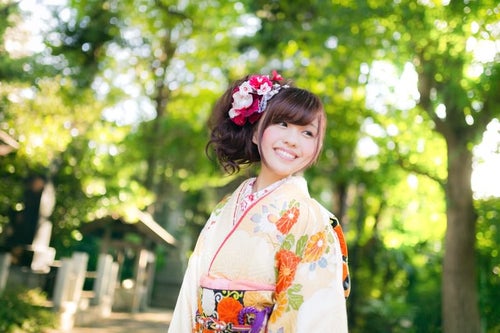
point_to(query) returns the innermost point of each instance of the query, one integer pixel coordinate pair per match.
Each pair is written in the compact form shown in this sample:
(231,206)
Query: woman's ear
(255,135)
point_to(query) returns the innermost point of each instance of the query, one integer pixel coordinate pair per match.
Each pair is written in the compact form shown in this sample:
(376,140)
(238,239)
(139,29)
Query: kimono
(268,261)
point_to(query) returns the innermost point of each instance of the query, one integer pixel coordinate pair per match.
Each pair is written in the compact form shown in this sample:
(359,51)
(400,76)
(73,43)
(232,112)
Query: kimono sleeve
(183,318)
(185,308)
(309,293)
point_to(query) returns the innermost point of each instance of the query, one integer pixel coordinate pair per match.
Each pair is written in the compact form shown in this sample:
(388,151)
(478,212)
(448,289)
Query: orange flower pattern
(228,310)
(286,262)
(288,219)
(316,246)
(293,251)
(279,307)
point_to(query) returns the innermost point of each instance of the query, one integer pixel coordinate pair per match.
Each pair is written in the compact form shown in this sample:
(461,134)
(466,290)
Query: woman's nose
(291,137)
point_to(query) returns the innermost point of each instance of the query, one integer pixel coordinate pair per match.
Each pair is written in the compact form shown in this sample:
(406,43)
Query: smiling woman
(270,258)
(486,168)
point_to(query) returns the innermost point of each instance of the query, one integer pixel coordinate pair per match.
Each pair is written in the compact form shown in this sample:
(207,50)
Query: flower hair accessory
(250,98)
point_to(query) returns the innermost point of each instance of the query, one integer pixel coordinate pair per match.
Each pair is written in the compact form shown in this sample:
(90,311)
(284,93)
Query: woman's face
(286,149)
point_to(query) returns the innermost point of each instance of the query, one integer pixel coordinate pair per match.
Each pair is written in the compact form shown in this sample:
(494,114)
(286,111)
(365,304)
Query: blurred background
(103,110)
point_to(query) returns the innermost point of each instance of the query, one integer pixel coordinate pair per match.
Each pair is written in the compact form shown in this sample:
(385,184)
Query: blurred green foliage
(25,310)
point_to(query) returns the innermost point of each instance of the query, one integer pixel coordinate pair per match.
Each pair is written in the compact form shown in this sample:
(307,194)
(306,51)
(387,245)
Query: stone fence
(73,305)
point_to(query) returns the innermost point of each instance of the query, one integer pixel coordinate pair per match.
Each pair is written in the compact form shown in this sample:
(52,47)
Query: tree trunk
(459,292)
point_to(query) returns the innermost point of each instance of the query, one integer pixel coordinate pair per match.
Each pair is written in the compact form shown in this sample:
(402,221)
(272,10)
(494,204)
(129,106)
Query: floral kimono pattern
(266,262)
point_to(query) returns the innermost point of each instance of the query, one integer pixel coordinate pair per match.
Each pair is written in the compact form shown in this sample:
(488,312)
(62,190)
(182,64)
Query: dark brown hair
(232,144)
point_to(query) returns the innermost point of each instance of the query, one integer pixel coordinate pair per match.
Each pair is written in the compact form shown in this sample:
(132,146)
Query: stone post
(68,288)
(4,269)
(109,295)
(104,263)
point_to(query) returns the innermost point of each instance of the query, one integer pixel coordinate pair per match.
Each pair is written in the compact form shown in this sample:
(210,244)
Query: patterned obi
(229,310)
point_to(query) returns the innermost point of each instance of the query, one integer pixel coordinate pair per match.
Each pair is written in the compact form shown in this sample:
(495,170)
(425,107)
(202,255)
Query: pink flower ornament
(250,98)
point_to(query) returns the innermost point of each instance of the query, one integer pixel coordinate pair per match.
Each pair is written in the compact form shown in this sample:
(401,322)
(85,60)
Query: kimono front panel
(279,256)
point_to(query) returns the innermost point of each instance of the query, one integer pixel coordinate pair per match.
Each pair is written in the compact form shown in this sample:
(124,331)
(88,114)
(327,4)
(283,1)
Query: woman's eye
(283,124)
(309,133)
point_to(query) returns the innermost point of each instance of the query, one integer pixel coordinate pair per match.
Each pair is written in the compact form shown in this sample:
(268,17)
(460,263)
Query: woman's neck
(262,182)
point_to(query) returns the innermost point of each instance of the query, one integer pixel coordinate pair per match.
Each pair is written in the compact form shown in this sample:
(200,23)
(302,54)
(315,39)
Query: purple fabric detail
(257,322)
(244,312)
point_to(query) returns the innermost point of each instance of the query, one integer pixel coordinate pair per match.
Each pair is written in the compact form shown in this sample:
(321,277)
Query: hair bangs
(295,106)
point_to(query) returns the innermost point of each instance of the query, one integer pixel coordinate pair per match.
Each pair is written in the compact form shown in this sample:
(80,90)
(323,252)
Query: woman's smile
(285,154)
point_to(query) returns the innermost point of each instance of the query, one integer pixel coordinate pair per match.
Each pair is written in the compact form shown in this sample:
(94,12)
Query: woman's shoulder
(296,187)
(296,190)
(325,213)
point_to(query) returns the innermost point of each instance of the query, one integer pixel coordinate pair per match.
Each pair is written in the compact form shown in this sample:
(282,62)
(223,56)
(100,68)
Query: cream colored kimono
(264,262)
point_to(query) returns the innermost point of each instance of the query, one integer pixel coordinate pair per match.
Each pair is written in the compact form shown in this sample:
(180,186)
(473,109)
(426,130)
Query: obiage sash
(226,284)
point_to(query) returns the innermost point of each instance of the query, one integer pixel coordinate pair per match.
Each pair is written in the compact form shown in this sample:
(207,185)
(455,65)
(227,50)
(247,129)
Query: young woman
(270,258)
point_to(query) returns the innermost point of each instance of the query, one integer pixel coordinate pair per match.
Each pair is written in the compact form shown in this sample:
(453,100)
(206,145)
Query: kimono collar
(298,181)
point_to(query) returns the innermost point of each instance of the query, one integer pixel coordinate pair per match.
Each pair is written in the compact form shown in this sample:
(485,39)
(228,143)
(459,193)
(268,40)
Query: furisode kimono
(268,261)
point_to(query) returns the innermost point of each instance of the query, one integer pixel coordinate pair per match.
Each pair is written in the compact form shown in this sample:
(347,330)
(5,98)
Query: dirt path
(153,321)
